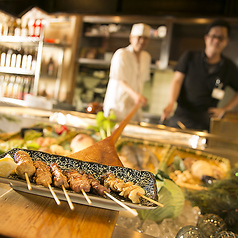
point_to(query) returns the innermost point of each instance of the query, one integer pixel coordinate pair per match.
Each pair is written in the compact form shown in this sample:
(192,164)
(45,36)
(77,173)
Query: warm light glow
(162,31)
(117,19)
(201,21)
(193,141)
(59,118)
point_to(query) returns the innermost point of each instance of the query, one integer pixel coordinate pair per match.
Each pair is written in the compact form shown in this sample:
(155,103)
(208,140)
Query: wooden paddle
(104,151)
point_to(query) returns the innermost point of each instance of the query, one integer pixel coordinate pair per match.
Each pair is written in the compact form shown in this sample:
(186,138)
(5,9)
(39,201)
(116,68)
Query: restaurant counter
(27,215)
(219,144)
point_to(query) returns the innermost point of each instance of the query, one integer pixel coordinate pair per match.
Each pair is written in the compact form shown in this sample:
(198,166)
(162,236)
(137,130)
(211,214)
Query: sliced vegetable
(105,124)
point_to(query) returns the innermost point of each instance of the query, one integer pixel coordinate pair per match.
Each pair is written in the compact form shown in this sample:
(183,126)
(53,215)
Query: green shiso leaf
(178,163)
(171,196)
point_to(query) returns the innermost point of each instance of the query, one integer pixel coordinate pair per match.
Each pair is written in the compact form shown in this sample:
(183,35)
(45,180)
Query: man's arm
(173,94)
(137,98)
(219,112)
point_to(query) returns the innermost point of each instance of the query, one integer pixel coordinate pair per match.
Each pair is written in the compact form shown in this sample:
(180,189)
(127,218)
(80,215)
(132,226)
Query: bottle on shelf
(29,60)
(16,87)
(9,57)
(50,67)
(9,91)
(13,59)
(24,59)
(17,31)
(31,27)
(5,29)
(3,57)
(24,29)
(20,88)
(34,60)
(19,52)
(5,85)
(38,27)
(11,27)
(26,86)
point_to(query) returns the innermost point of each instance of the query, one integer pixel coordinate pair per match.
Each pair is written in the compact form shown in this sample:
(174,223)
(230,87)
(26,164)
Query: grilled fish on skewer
(24,164)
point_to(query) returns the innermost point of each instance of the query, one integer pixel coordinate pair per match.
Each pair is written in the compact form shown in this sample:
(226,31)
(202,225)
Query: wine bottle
(50,67)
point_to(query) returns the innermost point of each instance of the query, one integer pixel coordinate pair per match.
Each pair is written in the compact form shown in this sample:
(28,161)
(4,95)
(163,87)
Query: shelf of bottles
(20,57)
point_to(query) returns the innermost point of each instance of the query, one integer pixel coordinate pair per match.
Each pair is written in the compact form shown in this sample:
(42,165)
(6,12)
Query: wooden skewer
(190,186)
(68,198)
(133,212)
(54,195)
(28,182)
(86,197)
(151,200)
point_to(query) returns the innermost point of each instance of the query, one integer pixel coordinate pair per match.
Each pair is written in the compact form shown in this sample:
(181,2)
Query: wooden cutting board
(26,215)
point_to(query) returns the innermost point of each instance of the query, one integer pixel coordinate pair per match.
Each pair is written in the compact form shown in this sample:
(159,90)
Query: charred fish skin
(24,164)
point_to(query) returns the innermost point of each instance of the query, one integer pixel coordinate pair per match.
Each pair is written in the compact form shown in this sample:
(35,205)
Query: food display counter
(42,217)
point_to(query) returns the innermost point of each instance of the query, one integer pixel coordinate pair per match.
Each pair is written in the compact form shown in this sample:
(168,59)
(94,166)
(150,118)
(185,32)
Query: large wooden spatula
(104,151)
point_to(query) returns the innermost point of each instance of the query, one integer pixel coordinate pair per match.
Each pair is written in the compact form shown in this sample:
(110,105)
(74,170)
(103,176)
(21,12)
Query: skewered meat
(126,189)
(97,187)
(58,177)
(24,164)
(78,181)
(43,175)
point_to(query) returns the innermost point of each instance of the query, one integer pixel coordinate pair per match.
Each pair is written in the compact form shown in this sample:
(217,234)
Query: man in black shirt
(199,82)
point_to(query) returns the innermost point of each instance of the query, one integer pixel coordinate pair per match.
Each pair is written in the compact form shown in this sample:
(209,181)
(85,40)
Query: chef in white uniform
(130,69)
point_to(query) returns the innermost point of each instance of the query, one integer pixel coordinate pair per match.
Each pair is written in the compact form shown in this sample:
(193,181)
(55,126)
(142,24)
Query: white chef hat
(140,29)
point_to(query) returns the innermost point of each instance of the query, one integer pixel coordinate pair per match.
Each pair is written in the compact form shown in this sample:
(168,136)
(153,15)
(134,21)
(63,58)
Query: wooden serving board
(26,215)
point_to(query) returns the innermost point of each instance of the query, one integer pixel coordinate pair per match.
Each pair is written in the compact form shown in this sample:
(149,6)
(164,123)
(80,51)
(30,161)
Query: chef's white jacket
(124,66)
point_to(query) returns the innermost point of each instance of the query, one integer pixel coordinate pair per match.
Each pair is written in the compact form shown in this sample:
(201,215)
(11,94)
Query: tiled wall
(157,91)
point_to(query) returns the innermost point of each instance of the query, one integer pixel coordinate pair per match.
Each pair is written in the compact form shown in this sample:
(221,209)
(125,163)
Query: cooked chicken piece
(24,164)
(126,189)
(43,175)
(78,181)
(58,177)
(133,195)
